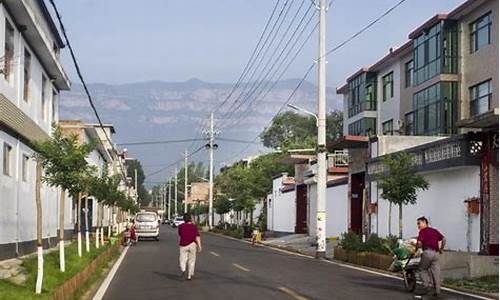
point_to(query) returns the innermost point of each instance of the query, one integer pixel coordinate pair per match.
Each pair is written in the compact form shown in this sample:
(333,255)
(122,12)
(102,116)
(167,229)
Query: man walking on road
(189,242)
(432,243)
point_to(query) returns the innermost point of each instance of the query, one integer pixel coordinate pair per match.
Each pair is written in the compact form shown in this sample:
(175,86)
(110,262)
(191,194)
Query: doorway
(357,188)
(301,209)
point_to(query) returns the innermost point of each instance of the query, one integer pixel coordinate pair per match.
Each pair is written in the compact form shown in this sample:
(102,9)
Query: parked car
(178,221)
(147,225)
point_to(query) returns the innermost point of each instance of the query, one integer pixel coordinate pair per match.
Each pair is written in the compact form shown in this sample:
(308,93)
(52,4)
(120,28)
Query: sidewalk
(300,243)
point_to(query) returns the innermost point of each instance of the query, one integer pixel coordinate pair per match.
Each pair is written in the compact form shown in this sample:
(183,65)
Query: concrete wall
(389,109)
(283,208)
(443,204)
(481,65)
(337,209)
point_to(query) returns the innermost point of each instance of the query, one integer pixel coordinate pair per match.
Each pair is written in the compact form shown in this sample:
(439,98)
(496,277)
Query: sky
(122,41)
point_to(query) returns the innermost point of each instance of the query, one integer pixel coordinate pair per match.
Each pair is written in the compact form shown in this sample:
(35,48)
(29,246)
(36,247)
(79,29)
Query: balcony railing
(480,105)
(361,106)
(338,159)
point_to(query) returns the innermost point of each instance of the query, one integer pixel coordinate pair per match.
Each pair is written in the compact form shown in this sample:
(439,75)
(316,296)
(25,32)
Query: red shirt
(187,233)
(430,238)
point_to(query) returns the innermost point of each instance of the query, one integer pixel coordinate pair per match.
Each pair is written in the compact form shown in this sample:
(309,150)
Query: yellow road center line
(214,254)
(241,268)
(291,293)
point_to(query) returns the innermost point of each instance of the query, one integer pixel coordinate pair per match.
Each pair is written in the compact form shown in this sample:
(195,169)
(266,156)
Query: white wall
(281,215)
(443,204)
(17,198)
(337,210)
(388,109)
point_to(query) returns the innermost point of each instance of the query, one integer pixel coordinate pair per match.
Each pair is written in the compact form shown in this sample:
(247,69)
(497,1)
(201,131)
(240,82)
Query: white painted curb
(105,284)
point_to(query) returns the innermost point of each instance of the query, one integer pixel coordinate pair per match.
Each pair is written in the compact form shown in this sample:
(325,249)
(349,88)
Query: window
(8,50)
(44,98)
(480,98)
(363,126)
(7,159)
(410,123)
(435,109)
(361,94)
(388,127)
(480,32)
(436,52)
(54,106)
(409,73)
(388,86)
(27,75)
(25,165)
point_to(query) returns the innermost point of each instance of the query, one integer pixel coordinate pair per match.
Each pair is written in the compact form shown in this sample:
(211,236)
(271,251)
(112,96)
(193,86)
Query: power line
(175,162)
(140,143)
(274,34)
(247,67)
(82,80)
(260,96)
(339,46)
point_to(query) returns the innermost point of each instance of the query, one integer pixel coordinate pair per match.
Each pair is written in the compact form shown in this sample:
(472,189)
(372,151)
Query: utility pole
(185,180)
(135,185)
(175,193)
(169,198)
(164,199)
(211,174)
(321,184)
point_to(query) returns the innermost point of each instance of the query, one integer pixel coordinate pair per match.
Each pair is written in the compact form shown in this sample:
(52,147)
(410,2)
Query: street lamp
(295,107)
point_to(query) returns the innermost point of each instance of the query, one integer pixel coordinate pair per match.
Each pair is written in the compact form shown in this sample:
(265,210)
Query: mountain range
(162,111)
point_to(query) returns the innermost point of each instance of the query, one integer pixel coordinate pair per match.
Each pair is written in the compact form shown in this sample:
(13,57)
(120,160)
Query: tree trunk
(390,219)
(38,199)
(102,226)
(400,221)
(251,218)
(78,224)
(97,227)
(62,265)
(87,242)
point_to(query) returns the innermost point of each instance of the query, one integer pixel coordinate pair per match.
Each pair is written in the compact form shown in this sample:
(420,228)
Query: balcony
(483,114)
(361,106)
(338,162)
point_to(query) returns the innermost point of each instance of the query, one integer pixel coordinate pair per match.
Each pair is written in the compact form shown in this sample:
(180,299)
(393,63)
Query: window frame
(409,73)
(7,159)
(43,96)
(474,97)
(26,74)
(387,79)
(390,127)
(8,70)
(25,168)
(473,36)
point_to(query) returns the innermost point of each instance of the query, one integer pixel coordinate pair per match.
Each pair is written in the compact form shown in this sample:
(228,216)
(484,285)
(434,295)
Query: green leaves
(63,159)
(291,130)
(400,183)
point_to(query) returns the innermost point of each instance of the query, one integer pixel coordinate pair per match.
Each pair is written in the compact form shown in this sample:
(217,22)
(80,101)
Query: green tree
(293,130)
(63,159)
(142,192)
(222,205)
(400,182)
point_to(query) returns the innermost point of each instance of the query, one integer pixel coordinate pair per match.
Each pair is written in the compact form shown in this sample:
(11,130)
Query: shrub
(353,242)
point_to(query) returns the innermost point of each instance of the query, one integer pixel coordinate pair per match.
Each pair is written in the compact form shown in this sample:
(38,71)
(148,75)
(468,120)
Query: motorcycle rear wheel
(410,280)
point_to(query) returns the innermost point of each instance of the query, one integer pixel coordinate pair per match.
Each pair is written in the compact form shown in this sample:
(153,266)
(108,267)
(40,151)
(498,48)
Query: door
(357,188)
(301,207)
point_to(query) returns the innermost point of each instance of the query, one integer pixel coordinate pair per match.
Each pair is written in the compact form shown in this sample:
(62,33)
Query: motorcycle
(406,261)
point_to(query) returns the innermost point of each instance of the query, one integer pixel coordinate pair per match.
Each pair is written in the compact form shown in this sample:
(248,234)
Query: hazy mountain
(157,110)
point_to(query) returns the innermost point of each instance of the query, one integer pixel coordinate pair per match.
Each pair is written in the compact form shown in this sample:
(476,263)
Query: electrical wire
(82,80)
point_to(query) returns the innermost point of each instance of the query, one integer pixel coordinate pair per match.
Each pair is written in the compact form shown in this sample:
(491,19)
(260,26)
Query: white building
(30,81)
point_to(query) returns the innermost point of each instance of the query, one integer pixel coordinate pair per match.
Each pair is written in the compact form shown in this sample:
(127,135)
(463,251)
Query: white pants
(187,256)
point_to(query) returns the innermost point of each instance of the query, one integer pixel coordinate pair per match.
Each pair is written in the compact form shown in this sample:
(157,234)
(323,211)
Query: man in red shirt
(432,243)
(189,241)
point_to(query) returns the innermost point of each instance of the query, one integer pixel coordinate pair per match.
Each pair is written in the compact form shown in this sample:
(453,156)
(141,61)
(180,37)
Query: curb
(460,291)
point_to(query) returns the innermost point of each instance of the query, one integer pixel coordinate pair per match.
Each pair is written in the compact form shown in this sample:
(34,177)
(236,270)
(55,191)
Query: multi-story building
(439,93)
(30,82)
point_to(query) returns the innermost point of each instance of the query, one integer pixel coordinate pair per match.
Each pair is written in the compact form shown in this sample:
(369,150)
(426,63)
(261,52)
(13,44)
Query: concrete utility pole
(175,193)
(211,174)
(321,185)
(135,185)
(169,198)
(185,180)
(164,199)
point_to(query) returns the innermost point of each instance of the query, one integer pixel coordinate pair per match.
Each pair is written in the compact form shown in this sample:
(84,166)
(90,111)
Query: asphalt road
(228,269)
